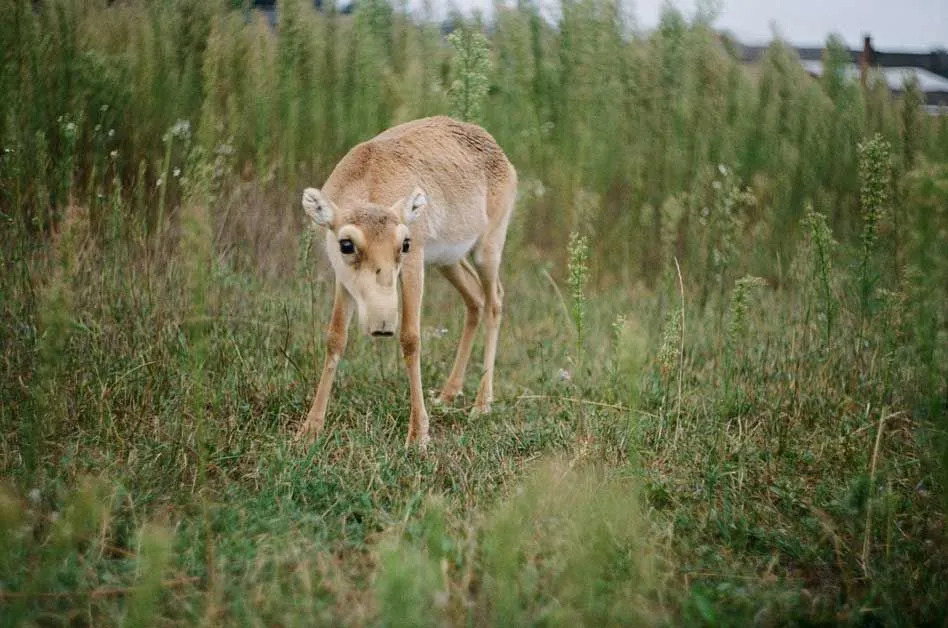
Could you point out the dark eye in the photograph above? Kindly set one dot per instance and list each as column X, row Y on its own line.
column 406, row 245
column 346, row 247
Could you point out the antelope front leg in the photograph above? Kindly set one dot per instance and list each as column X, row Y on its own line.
column 335, row 346
column 413, row 276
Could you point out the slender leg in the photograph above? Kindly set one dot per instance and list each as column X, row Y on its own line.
column 463, row 278
column 412, row 278
column 493, row 294
column 335, row 346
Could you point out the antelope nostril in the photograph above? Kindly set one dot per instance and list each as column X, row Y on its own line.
column 383, row 333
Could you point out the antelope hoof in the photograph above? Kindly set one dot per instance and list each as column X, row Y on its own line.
column 418, row 433
column 485, row 395
column 420, row 441
column 308, row 431
column 481, row 407
column 447, row 396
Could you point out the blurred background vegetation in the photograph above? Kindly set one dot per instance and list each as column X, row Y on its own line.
column 752, row 348
column 617, row 133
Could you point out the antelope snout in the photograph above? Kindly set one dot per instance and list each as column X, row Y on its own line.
column 378, row 311
column 381, row 323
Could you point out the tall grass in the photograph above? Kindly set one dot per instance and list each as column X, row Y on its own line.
column 755, row 267
column 588, row 104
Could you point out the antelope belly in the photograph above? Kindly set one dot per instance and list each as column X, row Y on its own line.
column 447, row 253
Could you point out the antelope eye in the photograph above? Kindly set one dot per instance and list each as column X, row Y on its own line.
column 406, row 245
column 346, row 247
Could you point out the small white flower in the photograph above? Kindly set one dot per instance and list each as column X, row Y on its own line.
column 159, row 182
column 176, row 173
column 111, row 132
column 564, row 376
column 114, row 154
column 722, row 169
column 181, row 129
column 35, row 495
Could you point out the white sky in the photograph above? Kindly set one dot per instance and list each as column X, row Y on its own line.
column 893, row 24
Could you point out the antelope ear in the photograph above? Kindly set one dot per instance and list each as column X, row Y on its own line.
column 414, row 203
column 317, row 207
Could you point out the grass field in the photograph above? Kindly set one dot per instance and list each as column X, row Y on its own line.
column 722, row 392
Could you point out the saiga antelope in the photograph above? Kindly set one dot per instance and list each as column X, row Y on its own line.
column 426, row 192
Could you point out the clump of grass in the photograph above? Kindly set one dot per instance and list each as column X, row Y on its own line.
column 55, row 306
column 874, row 178
column 573, row 545
column 469, row 69
column 154, row 557
column 737, row 313
column 721, row 219
column 671, row 355
column 737, row 326
column 821, row 246
column 630, row 356
column 911, row 118
column 578, row 267
column 178, row 134
column 69, row 134
column 408, row 586
column 60, row 548
column 669, row 352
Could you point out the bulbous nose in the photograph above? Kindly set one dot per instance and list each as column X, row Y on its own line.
column 383, row 328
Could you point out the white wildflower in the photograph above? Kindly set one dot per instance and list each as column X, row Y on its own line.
column 180, row 130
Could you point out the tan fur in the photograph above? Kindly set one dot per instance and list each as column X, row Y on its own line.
column 449, row 187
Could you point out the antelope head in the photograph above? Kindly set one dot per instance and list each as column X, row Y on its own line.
column 367, row 244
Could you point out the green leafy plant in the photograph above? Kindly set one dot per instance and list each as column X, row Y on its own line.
column 470, row 69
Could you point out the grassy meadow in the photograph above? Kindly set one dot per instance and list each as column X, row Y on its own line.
column 722, row 379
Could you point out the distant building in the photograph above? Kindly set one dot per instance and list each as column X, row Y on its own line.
column 929, row 68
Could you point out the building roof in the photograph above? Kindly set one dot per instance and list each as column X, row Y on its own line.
column 895, row 77
column 933, row 61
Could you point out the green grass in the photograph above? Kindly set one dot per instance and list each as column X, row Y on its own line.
column 165, row 482
column 723, row 404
